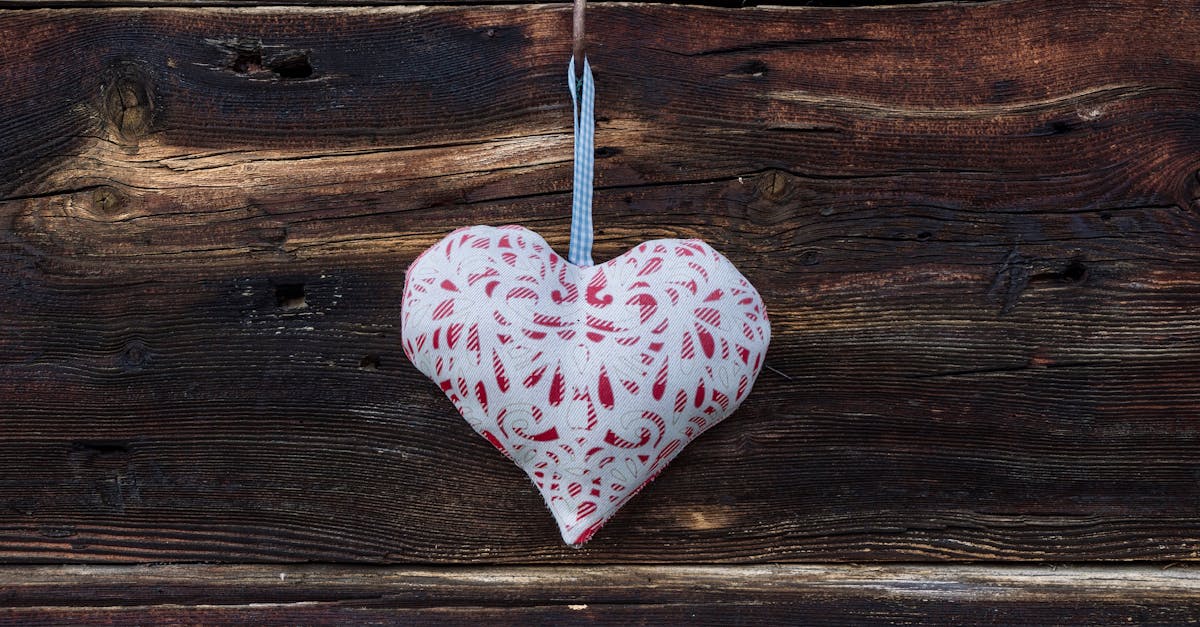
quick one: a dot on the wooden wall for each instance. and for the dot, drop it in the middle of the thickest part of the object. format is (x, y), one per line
(975, 226)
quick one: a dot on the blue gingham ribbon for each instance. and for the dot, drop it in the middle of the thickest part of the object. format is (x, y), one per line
(582, 97)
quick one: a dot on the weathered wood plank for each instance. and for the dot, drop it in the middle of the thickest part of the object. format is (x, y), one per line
(38, 4)
(609, 595)
(603, 594)
(975, 228)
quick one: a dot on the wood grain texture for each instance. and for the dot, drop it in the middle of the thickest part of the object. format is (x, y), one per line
(40, 4)
(610, 595)
(975, 228)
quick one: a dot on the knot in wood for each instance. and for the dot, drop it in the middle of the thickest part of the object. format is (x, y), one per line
(107, 201)
(128, 101)
(134, 356)
(774, 197)
(776, 186)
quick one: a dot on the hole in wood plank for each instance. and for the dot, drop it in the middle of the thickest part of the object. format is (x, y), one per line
(1057, 127)
(100, 449)
(247, 61)
(369, 362)
(755, 69)
(290, 296)
(1074, 272)
(292, 66)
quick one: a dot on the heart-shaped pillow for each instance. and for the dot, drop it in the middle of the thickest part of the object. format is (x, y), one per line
(591, 378)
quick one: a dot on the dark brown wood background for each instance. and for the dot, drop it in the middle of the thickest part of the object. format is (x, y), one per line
(976, 226)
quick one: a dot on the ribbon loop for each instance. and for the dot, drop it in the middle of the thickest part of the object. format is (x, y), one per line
(583, 95)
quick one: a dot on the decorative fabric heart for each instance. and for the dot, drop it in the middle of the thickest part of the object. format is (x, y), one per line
(592, 379)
